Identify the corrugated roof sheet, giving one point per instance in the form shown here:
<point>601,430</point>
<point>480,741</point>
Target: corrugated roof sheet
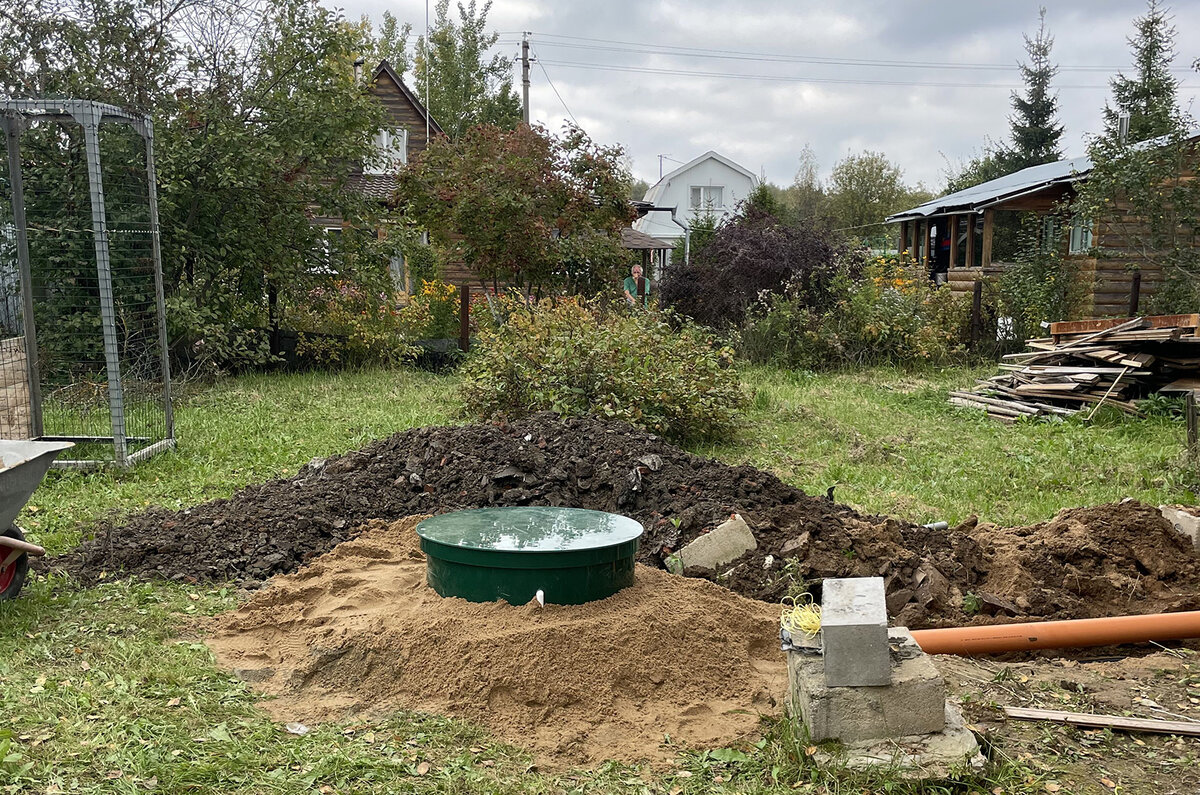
<point>1018,182</point>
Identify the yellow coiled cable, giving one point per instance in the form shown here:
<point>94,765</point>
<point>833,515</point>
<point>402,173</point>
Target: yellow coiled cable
<point>801,616</point>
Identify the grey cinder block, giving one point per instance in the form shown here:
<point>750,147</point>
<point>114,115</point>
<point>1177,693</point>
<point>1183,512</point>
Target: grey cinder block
<point>854,632</point>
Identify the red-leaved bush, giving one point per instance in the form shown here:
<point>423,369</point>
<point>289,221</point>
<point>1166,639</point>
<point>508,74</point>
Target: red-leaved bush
<point>755,254</point>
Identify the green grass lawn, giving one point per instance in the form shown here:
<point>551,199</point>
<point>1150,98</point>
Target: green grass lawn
<point>890,443</point>
<point>106,689</point>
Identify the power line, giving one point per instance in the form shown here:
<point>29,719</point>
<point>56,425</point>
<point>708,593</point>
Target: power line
<point>614,45</point>
<point>538,59</point>
<point>801,79</point>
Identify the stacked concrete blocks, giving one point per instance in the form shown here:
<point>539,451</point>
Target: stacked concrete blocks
<point>873,688</point>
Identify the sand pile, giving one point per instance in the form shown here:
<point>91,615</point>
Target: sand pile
<point>358,630</point>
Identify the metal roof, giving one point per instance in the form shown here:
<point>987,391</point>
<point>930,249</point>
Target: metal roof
<point>633,239</point>
<point>1027,180</point>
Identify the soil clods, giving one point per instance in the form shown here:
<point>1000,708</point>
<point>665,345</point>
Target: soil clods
<point>1104,560</point>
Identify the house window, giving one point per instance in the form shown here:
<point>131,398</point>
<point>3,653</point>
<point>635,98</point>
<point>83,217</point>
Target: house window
<point>707,197</point>
<point>391,150</point>
<point>1081,236</point>
<point>327,253</point>
<point>1049,234</point>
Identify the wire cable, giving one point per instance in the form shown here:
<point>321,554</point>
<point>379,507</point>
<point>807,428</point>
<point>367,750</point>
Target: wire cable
<point>800,616</point>
<point>615,45</point>
<point>538,60</point>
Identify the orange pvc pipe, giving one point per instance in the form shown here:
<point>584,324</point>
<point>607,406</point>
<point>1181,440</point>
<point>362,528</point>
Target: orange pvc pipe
<point>1059,634</point>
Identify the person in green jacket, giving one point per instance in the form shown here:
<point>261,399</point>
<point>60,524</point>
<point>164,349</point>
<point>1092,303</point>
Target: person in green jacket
<point>637,288</point>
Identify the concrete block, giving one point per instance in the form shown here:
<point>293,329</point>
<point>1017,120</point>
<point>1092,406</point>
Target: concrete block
<point>913,702</point>
<point>854,632</point>
<point>1184,521</point>
<point>727,542</point>
<point>922,756</point>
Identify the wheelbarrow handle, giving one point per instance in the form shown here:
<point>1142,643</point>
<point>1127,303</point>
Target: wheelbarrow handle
<point>17,548</point>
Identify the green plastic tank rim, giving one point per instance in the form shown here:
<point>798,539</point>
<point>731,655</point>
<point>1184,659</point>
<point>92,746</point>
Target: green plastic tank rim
<point>513,559</point>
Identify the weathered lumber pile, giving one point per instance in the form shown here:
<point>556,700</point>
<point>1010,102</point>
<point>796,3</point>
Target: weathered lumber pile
<point>1086,363</point>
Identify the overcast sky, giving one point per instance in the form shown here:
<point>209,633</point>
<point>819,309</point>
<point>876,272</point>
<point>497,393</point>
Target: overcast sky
<point>913,107</point>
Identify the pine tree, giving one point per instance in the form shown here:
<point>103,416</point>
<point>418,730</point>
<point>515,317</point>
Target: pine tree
<point>1035,127</point>
<point>1149,96</point>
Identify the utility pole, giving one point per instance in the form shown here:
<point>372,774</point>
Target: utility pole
<point>525,73</point>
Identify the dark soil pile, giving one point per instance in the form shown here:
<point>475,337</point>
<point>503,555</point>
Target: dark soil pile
<point>1114,559</point>
<point>1106,560</point>
<point>273,527</point>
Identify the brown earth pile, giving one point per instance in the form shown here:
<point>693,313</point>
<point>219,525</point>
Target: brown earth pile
<point>1113,559</point>
<point>1086,562</point>
<point>358,630</point>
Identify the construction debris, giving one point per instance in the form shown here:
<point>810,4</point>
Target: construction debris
<point>1088,363</point>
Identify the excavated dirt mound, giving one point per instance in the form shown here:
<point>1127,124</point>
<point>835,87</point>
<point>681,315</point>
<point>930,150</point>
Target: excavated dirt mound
<point>1089,562</point>
<point>1106,560</point>
<point>358,630</point>
<point>273,527</point>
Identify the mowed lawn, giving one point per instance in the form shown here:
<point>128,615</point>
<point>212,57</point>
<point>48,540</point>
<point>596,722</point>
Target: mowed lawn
<point>107,690</point>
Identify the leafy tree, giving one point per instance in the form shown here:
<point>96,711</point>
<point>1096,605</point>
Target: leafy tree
<point>256,116</point>
<point>524,206</point>
<point>1035,127</point>
<point>865,189</point>
<point>390,43</point>
<point>1149,97</point>
<point>466,88</point>
<point>637,189</point>
<point>990,164</point>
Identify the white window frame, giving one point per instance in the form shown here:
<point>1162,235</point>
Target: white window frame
<point>323,259</point>
<point>391,150</point>
<point>705,203</point>
<point>1081,236</point>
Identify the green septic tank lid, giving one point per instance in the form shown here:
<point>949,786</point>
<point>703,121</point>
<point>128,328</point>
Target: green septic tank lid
<point>529,537</point>
<point>569,555</point>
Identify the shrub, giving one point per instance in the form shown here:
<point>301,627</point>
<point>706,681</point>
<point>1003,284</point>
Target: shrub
<point>574,358</point>
<point>344,324</point>
<point>893,314</point>
<point>432,313</point>
<point>752,255</point>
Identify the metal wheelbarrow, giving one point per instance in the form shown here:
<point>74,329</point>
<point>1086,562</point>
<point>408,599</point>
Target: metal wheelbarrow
<point>22,467</point>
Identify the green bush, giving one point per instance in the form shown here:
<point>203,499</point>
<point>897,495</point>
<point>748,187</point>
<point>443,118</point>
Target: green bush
<point>893,314</point>
<point>574,358</point>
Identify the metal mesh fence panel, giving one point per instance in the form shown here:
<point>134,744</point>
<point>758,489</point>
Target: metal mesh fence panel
<point>84,199</point>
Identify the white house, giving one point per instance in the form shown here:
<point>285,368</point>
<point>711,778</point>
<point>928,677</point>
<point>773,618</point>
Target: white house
<point>712,184</point>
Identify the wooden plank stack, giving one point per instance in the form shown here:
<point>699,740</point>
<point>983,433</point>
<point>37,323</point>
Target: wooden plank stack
<point>1086,363</point>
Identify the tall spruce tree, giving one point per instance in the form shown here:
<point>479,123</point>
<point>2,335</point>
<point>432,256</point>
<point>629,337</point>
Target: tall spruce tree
<point>1149,97</point>
<point>1035,127</point>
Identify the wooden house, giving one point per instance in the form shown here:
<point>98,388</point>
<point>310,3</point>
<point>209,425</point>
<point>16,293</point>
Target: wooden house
<point>954,235</point>
<point>410,128</point>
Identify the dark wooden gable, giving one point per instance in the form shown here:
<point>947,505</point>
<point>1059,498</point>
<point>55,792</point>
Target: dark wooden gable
<point>403,106</point>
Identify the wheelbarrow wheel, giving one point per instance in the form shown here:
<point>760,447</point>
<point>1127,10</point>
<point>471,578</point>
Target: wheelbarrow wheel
<point>12,576</point>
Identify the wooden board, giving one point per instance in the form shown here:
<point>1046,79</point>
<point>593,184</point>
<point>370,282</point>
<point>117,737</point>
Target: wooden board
<point>1154,321</point>
<point>1180,727</point>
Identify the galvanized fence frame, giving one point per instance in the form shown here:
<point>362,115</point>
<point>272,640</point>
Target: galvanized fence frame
<point>15,116</point>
